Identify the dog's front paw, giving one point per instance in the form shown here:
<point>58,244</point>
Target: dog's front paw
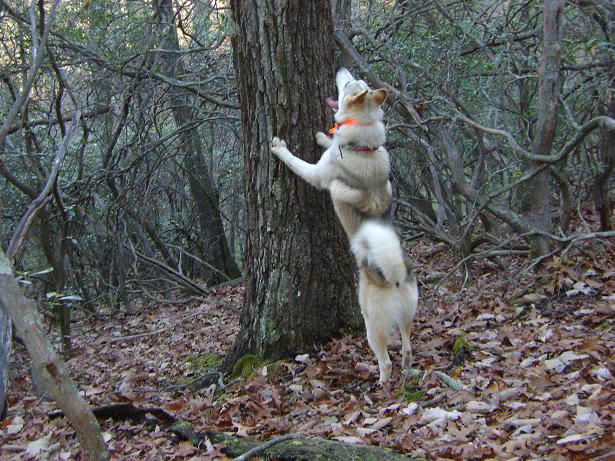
<point>278,146</point>
<point>323,140</point>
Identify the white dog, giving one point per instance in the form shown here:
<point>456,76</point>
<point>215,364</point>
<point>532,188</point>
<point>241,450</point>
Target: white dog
<point>388,292</point>
<point>355,167</point>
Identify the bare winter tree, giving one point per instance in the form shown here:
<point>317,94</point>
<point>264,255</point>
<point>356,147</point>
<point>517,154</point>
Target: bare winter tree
<point>206,198</point>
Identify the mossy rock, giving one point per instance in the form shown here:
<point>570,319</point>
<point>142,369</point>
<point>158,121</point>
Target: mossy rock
<point>461,348</point>
<point>308,450</point>
<point>292,450</point>
<point>245,366</point>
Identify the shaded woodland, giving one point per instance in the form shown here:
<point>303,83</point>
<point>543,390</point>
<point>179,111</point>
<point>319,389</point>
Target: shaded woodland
<point>135,168</point>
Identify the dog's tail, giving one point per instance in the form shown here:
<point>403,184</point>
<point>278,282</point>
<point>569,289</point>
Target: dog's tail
<point>377,246</point>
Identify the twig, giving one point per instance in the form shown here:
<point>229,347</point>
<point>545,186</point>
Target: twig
<point>213,377</point>
<point>259,449</point>
<point>605,456</point>
<point>435,401</point>
<point>450,382</point>
<point>140,335</point>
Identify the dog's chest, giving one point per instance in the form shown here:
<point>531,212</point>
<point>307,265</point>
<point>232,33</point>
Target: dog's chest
<point>364,171</point>
<point>369,174</point>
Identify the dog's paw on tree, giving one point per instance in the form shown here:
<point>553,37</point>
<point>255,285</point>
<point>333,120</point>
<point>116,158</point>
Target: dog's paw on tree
<point>277,145</point>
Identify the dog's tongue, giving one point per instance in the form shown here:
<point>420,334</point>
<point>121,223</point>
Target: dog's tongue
<point>332,103</point>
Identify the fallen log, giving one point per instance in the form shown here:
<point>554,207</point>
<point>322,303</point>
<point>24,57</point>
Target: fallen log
<point>295,448</point>
<point>50,367</point>
<point>123,411</point>
<point>289,447</point>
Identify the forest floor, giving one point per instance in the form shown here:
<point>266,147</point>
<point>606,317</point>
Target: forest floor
<point>533,355</point>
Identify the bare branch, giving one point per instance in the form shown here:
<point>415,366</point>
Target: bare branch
<point>43,197</point>
<point>34,67</point>
<point>604,122</point>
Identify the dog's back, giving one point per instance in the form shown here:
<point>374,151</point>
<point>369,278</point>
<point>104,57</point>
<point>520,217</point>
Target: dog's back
<point>377,247</point>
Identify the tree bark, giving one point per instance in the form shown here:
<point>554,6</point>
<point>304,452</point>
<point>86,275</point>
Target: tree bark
<point>5,359</point>
<point>299,273</point>
<point>548,104</point>
<point>51,369</point>
<point>601,182</point>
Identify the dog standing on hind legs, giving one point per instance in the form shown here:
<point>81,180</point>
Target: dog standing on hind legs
<point>388,292</point>
<point>355,170</point>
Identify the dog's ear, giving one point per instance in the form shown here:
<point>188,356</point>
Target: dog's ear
<point>379,96</point>
<point>357,98</point>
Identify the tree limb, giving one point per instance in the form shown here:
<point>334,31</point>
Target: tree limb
<point>178,277</point>
<point>43,197</point>
<point>268,444</point>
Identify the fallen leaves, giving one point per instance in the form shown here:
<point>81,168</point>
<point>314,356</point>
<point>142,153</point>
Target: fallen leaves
<point>560,363</point>
<point>538,383</point>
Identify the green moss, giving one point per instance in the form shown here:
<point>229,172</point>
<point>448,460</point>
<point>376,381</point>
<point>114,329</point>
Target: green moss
<point>411,391</point>
<point>245,366</point>
<point>208,361</point>
<point>604,325</point>
<point>223,396</point>
<point>181,425</point>
<point>186,431</point>
<point>461,345</point>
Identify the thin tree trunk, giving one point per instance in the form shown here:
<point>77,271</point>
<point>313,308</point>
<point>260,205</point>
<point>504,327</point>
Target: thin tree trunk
<point>548,104</point>
<point>50,367</point>
<point>299,274</point>
<point>601,183</point>
<point>213,239</point>
<point>341,11</point>
<point>5,359</point>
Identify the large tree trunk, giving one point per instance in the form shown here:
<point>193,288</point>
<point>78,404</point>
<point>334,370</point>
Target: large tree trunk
<point>299,274</point>
<point>213,239</point>
<point>548,103</point>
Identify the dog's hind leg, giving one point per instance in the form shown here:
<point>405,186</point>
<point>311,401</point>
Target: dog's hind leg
<point>378,342</point>
<point>306,171</point>
<point>406,348</point>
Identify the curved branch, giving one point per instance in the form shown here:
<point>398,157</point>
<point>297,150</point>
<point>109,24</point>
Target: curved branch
<point>43,197</point>
<point>603,121</point>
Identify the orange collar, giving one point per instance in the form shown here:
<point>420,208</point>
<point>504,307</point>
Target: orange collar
<point>350,121</point>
